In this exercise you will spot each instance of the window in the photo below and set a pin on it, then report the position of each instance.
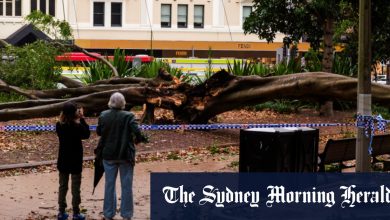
(45, 6)
(165, 15)
(98, 14)
(8, 7)
(34, 5)
(52, 7)
(11, 7)
(42, 6)
(18, 7)
(246, 11)
(198, 16)
(116, 14)
(182, 11)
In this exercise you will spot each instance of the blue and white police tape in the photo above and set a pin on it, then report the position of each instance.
(367, 122)
(182, 127)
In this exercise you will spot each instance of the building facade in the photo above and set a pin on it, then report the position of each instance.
(169, 28)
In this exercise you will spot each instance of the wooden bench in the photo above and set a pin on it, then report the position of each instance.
(338, 151)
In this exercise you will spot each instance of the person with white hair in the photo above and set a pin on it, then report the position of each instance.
(118, 133)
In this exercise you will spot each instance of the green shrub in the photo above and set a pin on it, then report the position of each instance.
(283, 68)
(11, 97)
(383, 111)
(150, 70)
(342, 64)
(313, 61)
(119, 62)
(261, 69)
(95, 71)
(241, 68)
(32, 66)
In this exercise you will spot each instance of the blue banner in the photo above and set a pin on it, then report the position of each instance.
(268, 196)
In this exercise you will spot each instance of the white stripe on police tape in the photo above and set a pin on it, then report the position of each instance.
(182, 127)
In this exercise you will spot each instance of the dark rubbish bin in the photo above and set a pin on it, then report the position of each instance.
(278, 149)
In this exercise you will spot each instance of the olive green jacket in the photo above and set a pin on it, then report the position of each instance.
(118, 130)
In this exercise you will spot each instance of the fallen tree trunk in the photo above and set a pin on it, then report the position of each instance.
(94, 102)
(75, 92)
(29, 103)
(70, 83)
(222, 92)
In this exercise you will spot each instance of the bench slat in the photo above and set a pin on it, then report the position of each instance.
(338, 151)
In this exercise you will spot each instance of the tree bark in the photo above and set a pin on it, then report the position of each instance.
(91, 103)
(220, 93)
(29, 103)
(148, 115)
(326, 108)
(4, 87)
(327, 61)
(128, 80)
(75, 92)
(70, 83)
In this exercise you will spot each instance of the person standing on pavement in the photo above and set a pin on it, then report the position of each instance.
(71, 129)
(119, 132)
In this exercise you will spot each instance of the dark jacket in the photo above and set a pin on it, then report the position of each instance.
(118, 130)
(70, 153)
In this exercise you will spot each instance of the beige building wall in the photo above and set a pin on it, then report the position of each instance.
(137, 12)
(141, 22)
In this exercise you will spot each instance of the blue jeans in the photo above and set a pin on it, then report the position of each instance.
(126, 171)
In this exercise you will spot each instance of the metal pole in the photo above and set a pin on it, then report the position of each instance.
(363, 159)
(151, 43)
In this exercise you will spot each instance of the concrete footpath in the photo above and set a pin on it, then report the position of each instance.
(34, 196)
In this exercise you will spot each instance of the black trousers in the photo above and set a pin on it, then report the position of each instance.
(63, 189)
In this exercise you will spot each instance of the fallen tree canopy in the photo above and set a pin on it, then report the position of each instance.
(190, 103)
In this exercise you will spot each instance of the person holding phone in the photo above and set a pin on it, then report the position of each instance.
(71, 129)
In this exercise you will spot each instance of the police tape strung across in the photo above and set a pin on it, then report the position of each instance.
(362, 121)
(183, 127)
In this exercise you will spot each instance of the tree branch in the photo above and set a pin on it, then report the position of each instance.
(7, 88)
(70, 83)
(74, 92)
(29, 103)
(91, 103)
(113, 69)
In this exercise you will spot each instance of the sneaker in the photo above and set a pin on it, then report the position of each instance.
(62, 216)
(78, 217)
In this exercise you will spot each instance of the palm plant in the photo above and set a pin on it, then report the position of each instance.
(241, 68)
(150, 70)
(261, 69)
(280, 69)
(294, 66)
(119, 62)
(313, 62)
(95, 71)
(343, 65)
